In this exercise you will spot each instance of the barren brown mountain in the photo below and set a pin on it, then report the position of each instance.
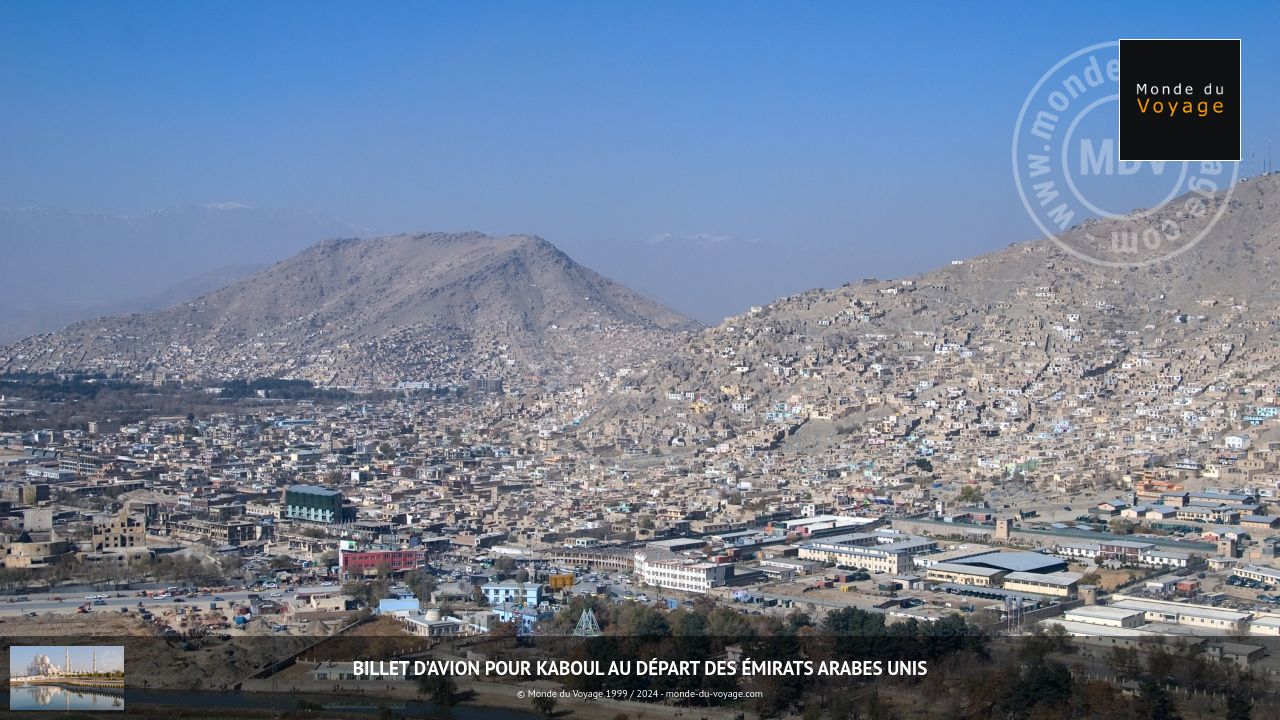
(429, 307)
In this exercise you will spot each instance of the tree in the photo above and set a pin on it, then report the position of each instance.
(14, 578)
(422, 584)
(970, 493)
(439, 689)
(797, 619)
(876, 708)
(545, 705)
(230, 565)
(1239, 706)
(503, 630)
(367, 591)
(1154, 702)
(1040, 643)
(724, 622)
(1120, 526)
(642, 622)
(1041, 685)
(1127, 662)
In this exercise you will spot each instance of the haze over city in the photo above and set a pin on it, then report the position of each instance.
(713, 156)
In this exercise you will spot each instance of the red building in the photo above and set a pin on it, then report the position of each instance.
(357, 563)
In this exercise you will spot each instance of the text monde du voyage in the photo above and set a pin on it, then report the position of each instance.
(628, 668)
(1179, 99)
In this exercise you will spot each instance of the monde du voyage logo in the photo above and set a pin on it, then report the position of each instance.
(1170, 145)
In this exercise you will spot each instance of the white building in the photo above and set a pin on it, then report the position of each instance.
(662, 569)
(1194, 616)
(512, 591)
(1164, 558)
(1267, 575)
(1106, 616)
(875, 552)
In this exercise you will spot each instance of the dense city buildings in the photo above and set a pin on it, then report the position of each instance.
(893, 446)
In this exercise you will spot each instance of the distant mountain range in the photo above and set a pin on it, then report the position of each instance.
(443, 307)
(60, 266)
(432, 307)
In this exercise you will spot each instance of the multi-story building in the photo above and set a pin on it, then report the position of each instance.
(974, 575)
(662, 569)
(79, 463)
(892, 558)
(512, 591)
(315, 504)
(1060, 584)
(36, 550)
(357, 563)
(119, 532)
(231, 532)
(1125, 551)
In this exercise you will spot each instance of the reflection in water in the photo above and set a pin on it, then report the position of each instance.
(57, 697)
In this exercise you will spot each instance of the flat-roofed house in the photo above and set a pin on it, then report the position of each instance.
(975, 575)
(1059, 584)
(1106, 616)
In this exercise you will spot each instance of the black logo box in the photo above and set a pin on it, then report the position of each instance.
(1188, 68)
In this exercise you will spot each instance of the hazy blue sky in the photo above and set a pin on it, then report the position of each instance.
(712, 154)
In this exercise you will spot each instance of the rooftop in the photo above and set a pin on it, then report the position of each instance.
(1015, 561)
(313, 490)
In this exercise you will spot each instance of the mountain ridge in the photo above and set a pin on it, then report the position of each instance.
(1003, 353)
(340, 310)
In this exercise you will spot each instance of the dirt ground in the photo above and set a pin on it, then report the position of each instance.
(1108, 579)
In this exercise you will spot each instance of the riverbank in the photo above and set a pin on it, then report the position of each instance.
(76, 682)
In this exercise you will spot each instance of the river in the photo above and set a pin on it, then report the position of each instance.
(59, 697)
